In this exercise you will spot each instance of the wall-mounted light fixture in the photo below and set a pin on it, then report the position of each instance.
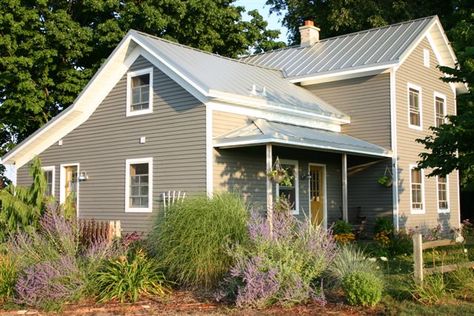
(306, 176)
(83, 176)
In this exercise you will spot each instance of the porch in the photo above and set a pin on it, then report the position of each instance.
(334, 176)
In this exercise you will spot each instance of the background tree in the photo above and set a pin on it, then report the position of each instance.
(49, 49)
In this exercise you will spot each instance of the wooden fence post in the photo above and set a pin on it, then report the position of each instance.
(418, 257)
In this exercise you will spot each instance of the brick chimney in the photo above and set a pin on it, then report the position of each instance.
(309, 33)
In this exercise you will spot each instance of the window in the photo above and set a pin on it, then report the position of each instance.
(426, 57)
(139, 180)
(443, 204)
(139, 92)
(414, 107)
(416, 180)
(440, 109)
(49, 175)
(290, 192)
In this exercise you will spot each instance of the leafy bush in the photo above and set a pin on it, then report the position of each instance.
(362, 288)
(279, 267)
(431, 291)
(8, 277)
(49, 284)
(383, 225)
(191, 240)
(341, 227)
(350, 259)
(128, 277)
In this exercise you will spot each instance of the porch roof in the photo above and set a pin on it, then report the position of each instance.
(260, 132)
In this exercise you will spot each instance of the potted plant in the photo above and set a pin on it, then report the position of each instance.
(386, 180)
(279, 174)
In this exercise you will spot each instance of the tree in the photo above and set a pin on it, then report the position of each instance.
(337, 17)
(49, 49)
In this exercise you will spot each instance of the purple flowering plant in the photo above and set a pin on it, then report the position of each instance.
(279, 266)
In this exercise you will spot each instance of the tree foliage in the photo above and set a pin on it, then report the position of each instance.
(21, 207)
(337, 17)
(49, 49)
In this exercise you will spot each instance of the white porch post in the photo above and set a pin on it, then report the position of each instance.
(269, 161)
(345, 215)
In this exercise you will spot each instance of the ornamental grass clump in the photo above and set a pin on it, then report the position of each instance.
(8, 277)
(192, 238)
(127, 278)
(281, 266)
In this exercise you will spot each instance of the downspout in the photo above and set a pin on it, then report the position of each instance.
(393, 133)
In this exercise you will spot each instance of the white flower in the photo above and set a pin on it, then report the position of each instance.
(465, 250)
(372, 259)
(459, 239)
(383, 258)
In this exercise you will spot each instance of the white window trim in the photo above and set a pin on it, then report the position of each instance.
(422, 210)
(445, 107)
(129, 162)
(420, 102)
(130, 75)
(443, 210)
(295, 211)
(426, 58)
(53, 183)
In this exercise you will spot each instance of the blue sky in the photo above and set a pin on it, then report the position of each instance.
(272, 19)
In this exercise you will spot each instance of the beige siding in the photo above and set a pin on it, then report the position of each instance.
(366, 100)
(413, 71)
(175, 138)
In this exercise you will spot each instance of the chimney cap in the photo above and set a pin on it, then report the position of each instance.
(308, 23)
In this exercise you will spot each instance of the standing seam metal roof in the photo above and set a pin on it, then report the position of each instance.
(212, 72)
(378, 46)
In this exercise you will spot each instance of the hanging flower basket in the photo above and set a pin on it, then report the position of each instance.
(386, 180)
(278, 174)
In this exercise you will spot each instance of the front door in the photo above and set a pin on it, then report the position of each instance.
(317, 194)
(71, 185)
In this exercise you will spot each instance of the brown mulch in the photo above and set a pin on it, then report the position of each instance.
(185, 303)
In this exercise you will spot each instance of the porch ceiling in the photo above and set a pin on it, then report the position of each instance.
(260, 132)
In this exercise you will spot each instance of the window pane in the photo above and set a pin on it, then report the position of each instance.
(140, 92)
(442, 193)
(416, 189)
(288, 194)
(141, 80)
(414, 99)
(139, 185)
(49, 182)
(439, 106)
(144, 190)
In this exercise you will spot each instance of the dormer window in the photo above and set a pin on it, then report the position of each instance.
(140, 92)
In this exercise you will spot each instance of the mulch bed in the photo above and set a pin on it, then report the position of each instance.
(186, 303)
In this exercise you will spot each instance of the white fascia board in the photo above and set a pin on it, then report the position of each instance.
(267, 106)
(342, 75)
(83, 106)
(274, 116)
(271, 140)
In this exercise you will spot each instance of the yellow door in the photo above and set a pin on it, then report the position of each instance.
(71, 185)
(316, 191)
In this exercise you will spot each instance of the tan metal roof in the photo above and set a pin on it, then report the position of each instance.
(378, 46)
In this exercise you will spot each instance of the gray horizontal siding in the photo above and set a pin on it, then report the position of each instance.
(175, 138)
(366, 100)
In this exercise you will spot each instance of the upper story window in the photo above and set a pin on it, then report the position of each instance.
(417, 190)
(443, 203)
(440, 109)
(290, 190)
(140, 92)
(49, 176)
(426, 57)
(138, 185)
(414, 107)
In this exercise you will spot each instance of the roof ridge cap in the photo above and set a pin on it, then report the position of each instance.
(203, 51)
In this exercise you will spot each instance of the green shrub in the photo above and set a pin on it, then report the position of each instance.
(128, 277)
(383, 225)
(8, 277)
(350, 259)
(192, 239)
(462, 282)
(362, 288)
(431, 291)
(341, 227)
